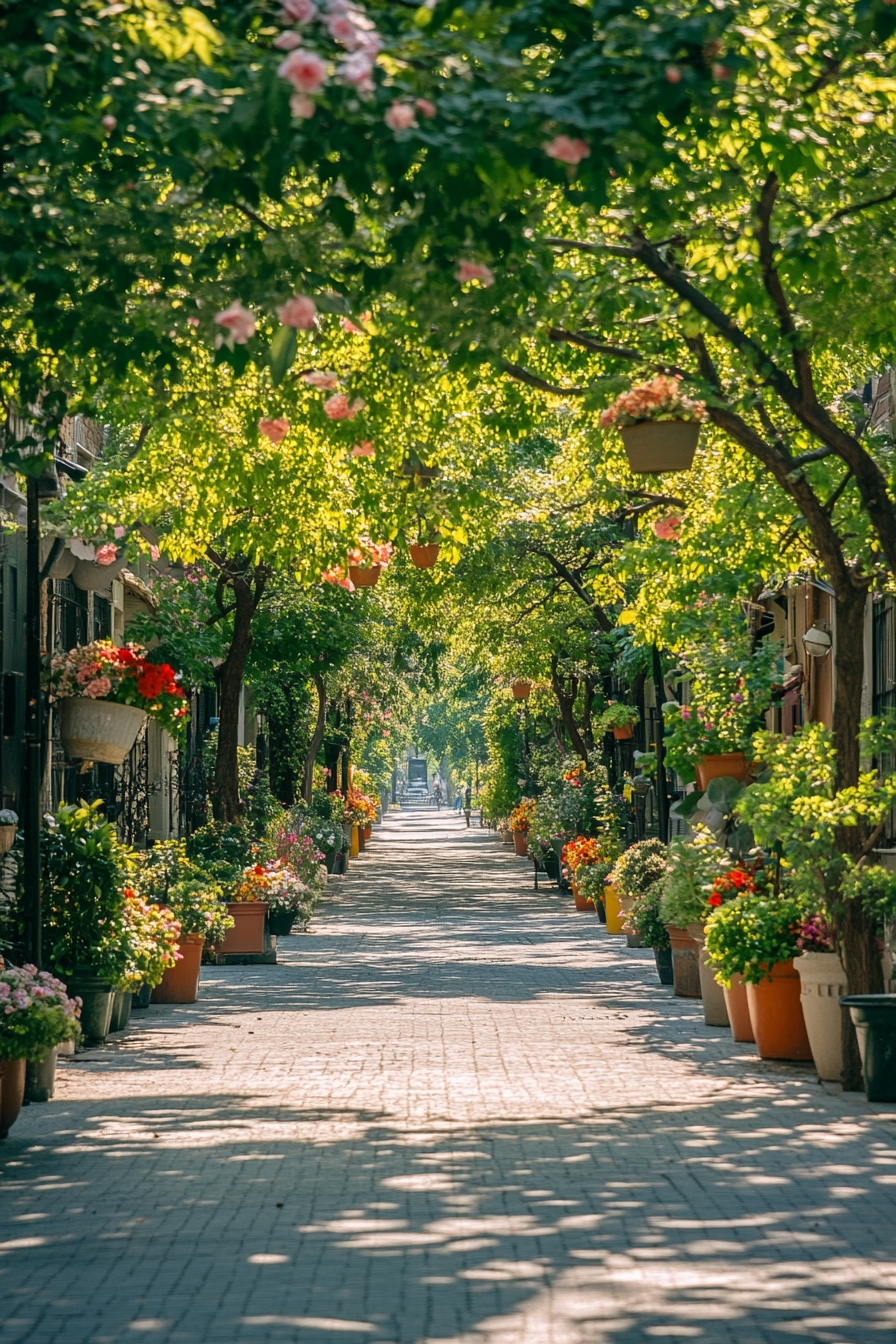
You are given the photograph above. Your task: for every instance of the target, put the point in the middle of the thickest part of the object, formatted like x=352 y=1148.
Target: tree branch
x=860 y=206
x=532 y=380
x=256 y=219
x=596 y=249
x=802 y=365
x=588 y=343
x=574 y=582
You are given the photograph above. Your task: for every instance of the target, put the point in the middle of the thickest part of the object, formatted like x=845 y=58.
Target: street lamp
x=817 y=640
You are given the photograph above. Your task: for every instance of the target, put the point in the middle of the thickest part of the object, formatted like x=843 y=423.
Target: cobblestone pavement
x=456 y=1113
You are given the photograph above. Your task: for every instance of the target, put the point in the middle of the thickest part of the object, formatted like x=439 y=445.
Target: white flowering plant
x=36 y=1012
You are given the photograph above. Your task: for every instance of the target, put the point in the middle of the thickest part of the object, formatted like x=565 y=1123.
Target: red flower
x=258 y=869
x=715 y=899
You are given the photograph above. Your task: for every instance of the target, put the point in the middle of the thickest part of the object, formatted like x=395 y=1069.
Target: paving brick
x=456 y=1113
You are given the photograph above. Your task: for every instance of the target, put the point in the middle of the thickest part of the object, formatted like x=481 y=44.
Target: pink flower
x=673 y=74
x=301 y=106
x=425 y=107
x=305 y=71
x=86 y=673
x=108 y=554
x=340 y=408
x=109 y=122
x=400 y=117
x=352 y=29
x=238 y=321
x=326 y=381
x=357 y=70
x=154 y=552
x=363 y=449
x=566 y=150
x=97 y=688
x=299 y=11
x=288 y=40
x=685 y=713
x=737 y=698
x=341 y=580
x=193 y=321
x=275 y=430
x=347 y=325
x=119 y=533
x=472 y=270
x=298 y=312
x=667 y=528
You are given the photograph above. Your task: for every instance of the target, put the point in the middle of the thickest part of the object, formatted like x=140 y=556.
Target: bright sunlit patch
x=265 y=1259
x=310 y=1323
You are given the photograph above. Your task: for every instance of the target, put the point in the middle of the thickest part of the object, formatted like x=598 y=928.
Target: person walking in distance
x=437 y=793
x=458 y=799
x=468 y=803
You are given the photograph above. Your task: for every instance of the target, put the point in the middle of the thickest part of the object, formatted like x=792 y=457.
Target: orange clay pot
x=180 y=983
x=739 y=1010
x=521 y=843
x=247 y=934
x=776 y=1014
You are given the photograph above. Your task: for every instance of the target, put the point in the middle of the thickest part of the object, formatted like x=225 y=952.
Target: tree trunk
x=566 y=700
x=316 y=737
x=856 y=939
x=229 y=678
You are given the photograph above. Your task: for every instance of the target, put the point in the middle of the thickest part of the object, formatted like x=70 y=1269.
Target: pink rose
x=357 y=70
x=472 y=270
x=238 y=321
x=666 y=529
x=425 y=107
x=673 y=74
x=97 y=688
x=305 y=71
x=566 y=150
x=340 y=408
x=301 y=106
x=108 y=554
x=326 y=381
x=109 y=122
x=119 y=533
x=363 y=449
x=154 y=552
x=400 y=117
x=685 y=713
x=299 y=11
x=299 y=311
x=288 y=40
x=275 y=430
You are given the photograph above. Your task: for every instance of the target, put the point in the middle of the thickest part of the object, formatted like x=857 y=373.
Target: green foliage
x=749 y=935
x=639 y=867
x=83 y=885
x=645 y=919
x=592 y=879
x=616 y=716
x=222 y=850
x=875 y=888
x=693 y=866
x=36 y=1015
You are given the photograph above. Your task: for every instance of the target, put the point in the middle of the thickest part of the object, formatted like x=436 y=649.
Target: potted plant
x=659 y=425
x=635 y=872
x=577 y=854
x=424 y=554
x=8 y=822
x=248 y=909
x=646 y=923
x=36 y=1016
x=822 y=984
x=140 y=943
x=592 y=884
x=200 y=909
x=521 y=689
x=520 y=821
x=617 y=719
x=693 y=864
x=366 y=563
x=105 y=693
x=874 y=1018
x=289 y=899
x=756 y=935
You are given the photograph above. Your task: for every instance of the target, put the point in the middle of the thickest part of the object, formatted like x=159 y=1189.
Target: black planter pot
x=141 y=998
x=551 y=864
x=40 y=1078
x=330 y=856
x=663 y=958
x=874 y=1016
x=601 y=910
x=281 y=923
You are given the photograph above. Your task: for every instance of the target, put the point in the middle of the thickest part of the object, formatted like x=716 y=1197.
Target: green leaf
x=282 y=353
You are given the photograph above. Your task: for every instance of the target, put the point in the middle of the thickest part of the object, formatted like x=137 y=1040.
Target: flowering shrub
x=299 y=849
x=645 y=921
x=592 y=879
x=8 y=817
x=660 y=399
x=100 y=671
x=139 y=945
x=815 y=934
x=581 y=852
x=276 y=883
x=735 y=882
x=199 y=906
x=692 y=867
x=370 y=553
x=35 y=1012
x=521 y=816
x=750 y=935
x=616 y=715
x=640 y=867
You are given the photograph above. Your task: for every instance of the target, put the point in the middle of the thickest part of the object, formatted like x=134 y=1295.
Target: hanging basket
x=98 y=730
x=424 y=557
x=730 y=764
x=365 y=578
x=623 y=734
x=655 y=446
x=521 y=689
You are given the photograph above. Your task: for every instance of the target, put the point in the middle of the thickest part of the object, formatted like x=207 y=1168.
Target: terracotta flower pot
x=180 y=983
x=362 y=840
x=98 y=730
x=354 y=848
x=613 y=909
x=822 y=982
x=623 y=734
x=367 y=832
x=247 y=934
x=739 y=1010
x=655 y=446
x=12 y=1093
x=521 y=689
x=715 y=1011
x=521 y=843
x=365 y=578
x=776 y=1014
x=685 y=963
x=581 y=902
x=424 y=557
x=728 y=763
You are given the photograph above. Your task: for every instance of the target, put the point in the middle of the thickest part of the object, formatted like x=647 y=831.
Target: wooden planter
x=180 y=983
x=777 y=1015
x=655 y=446
x=365 y=578
x=98 y=730
x=424 y=557
x=7 y=838
x=731 y=764
x=685 y=963
x=247 y=934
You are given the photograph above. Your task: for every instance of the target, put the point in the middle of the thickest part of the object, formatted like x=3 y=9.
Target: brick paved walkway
x=457 y=1113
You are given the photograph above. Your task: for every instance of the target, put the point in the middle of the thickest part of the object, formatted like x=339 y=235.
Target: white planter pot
x=655 y=446
x=715 y=1011
x=822 y=981
x=98 y=730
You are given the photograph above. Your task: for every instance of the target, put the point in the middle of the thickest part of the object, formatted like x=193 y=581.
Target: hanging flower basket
x=731 y=764
x=656 y=446
x=521 y=689
x=92 y=575
x=99 y=730
x=424 y=557
x=622 y=734
x=365 y=578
